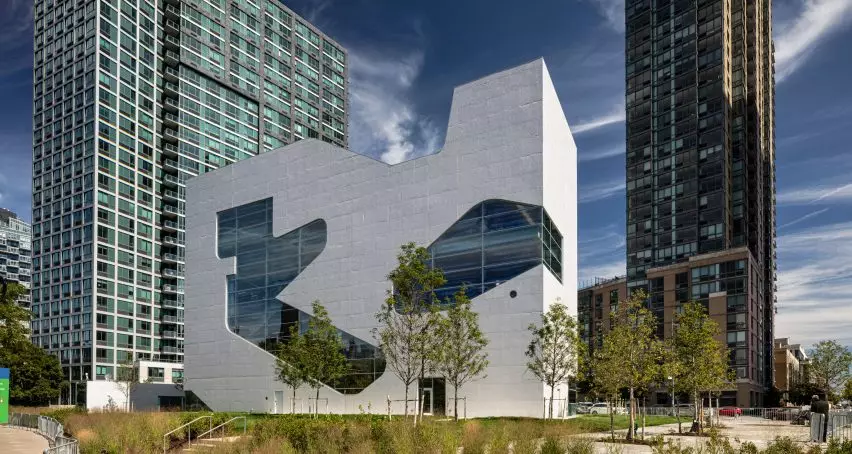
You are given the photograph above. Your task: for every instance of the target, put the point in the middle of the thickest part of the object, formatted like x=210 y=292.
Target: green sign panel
x=4 y=396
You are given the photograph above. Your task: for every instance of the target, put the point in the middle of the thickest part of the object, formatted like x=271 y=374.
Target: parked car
x=583 y=407
x=730 y=411
x=602 y=408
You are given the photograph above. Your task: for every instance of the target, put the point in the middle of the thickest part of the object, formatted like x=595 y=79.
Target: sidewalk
x=21 y=441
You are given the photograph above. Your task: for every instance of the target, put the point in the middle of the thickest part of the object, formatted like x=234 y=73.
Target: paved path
x=20 y=441
x=756 y=430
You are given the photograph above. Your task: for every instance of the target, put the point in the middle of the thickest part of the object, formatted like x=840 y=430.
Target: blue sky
x=406 y=56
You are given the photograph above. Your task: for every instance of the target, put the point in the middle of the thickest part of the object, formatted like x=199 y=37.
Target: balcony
x=172 y=273
x=170 y=104
x=170 y=195
x=172 y=12
x=171 y=319
x=170 y=349
x=170 y=165
x=170 y=120
x=171 y=180
x=171 y=303
x=172 y=258
x=169 y=334
x=170 y=226
x=171 y=57
x=172 y=42
x=171 y=74
x=171 y=27
x=171 y=289
x=172 y=135
x=169 y=149
x=172 y=241
x=170 y=89
x=171 y=210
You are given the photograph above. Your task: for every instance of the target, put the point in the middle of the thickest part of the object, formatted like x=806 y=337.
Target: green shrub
x=783 y=445
x=552 y=446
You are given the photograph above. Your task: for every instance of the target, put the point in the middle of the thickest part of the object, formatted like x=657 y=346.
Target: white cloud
x=601 y=154
x=602 y=191
x=820 y=194
x=795 y=39
x=606 y=270
x=815 y=284
x=612 y=11
x=617 y=115
x=384 y=121
x=804 y=218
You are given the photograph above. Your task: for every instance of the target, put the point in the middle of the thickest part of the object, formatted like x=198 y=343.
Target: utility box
x=4 y=396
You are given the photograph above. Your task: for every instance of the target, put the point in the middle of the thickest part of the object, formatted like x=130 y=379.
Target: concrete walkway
x=756 y=430
x=21 y=441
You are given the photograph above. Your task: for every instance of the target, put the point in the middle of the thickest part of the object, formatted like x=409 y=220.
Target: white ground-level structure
x=507 y=140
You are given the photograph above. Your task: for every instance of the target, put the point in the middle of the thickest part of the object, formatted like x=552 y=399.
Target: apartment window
x=156 y=374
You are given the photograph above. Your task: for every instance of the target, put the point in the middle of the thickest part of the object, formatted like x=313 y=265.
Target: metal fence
x=840 y=425
x=48 y=428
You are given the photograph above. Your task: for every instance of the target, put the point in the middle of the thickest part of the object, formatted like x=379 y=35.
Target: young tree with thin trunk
x=319 y=352
x=127 y=377
x=288 y=369
x=829 y=365
x=460 y=355
x=406 y=318
x=632 y=344
x=555 y=348
x=606 y=368
x=698 y=361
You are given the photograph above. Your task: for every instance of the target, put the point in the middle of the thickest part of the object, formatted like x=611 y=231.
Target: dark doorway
x=434 y=392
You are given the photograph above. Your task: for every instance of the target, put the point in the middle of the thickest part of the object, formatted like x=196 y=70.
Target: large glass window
x=265 y=266
x=493 y=242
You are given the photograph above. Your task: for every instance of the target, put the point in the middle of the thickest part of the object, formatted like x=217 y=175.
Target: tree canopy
x=35 y=376
x=317 y=353
x=555 y=349
x=829 y=365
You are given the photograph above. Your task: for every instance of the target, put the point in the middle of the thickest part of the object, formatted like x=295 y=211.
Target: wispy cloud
x=795 y=39
x=816 y=195
x=384 y=120
x=612 y=11
x=602 y=191
x=616 y=115
x=601 y=154
x=815 y=279
x=803 y=218
x=616 y=267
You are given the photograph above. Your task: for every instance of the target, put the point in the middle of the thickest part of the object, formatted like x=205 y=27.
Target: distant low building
x=16 y=252
x=790 y=365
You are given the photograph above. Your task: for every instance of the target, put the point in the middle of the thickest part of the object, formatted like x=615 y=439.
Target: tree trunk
x=456 y=402
x=552 y=390
x=293 y=402
x=406 y=399
x=631 y=432
x=316 y=404
x=611 y=420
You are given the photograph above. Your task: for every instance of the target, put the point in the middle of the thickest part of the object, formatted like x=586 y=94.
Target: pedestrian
x=820 y=406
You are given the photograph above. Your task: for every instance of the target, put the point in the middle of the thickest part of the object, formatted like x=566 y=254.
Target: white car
x=602 y=408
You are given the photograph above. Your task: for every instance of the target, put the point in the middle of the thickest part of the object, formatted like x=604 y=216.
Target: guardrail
x=840 y=425
x=167 y=444
x=223 y=426
x=48 y=428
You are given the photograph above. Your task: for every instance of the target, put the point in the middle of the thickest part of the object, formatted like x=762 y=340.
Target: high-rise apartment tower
x=15 y=252
x=701 y=170
x=131 y=98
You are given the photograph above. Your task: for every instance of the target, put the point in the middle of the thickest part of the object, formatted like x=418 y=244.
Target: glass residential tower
x=701 y=171
x=131 y=98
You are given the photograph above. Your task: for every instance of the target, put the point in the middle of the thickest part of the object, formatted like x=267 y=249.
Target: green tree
x=318 y=352
x=698 y=361
x=847 y=390
x=36 y=376
x=407 y=316
x=460 y=355
x=127 y=378
x=631 y=353
x=605 y=370
x=288 y=369
x=800 y=393
x=555 y=349
x=829 y=365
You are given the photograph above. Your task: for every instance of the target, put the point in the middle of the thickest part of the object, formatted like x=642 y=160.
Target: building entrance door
x=278 y=405
x=434 y=395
